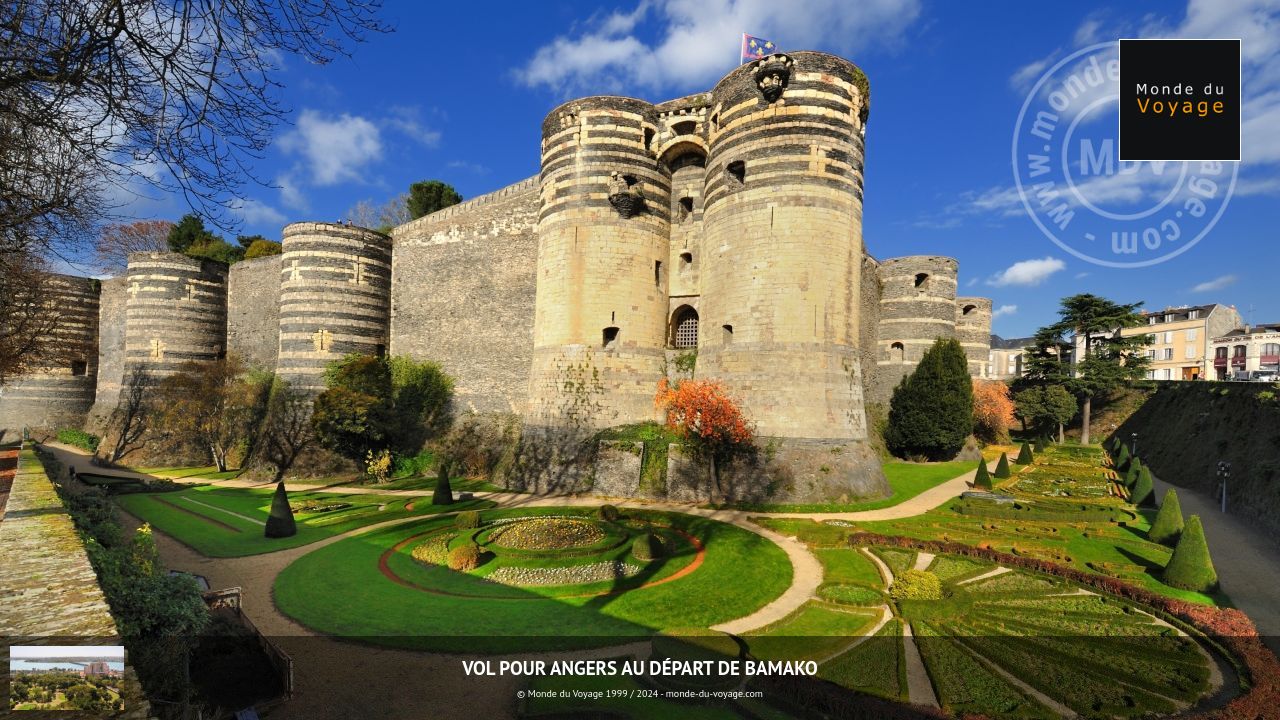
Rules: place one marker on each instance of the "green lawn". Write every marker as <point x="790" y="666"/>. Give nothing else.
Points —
<point x="818" y="629"/>
<point x="907" y="480"/>
<point x="229" y="522"/>
<point x="340" y="590"/>
<point x="208" y="472"/>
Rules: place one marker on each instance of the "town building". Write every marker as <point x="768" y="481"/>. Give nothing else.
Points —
<point x="1179" y="339"/>
<point x="1246" y="350"/>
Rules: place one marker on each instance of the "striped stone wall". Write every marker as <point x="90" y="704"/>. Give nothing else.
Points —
<point x="973" y="330"/>
<point x="335" y="298"/>
<point x="175" y="311"/>
<point x="917" y="306"/>
<point x="59" y="392"/>
<point x="253" y="311"/>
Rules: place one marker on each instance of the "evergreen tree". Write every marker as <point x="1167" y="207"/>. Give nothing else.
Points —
<point x="1190" y="566"/>
<point x="428" y="196"/>
<point x="1002" y="467"/>
<point x="444" y="492"/>
<point x="1143" y="489"/>
<point x="1024" y="454"/>
<point x="1168" y="523"/>
<point x="931" y="412"/>
<point x="982" y="480"/>
<point x="280" y="522"/>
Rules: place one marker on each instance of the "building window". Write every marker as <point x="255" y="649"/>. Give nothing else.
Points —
<point x="1168" y="354"/>
<point x="968" y="309"/>
<point x="1168" y="318"/>
<point x="380" y="350"/>
<point x="1151" y="354"/>
<point x="1191" y="351"/>
<point x="1168" y="337"/>
<point x="684" y="128"/>
<point x="1193" y="315"/>
<point x="921" y="279"/>
<point x="657" y="273"/>
<point x="1192" y="334"/>
<point x="897" y="352"/>
<point x="726" y="334"/>
<point x="686" y="208"/>
<point x="686" y="259"/>
<point x="1151" y="320"/>
<point x="1271" y="349"/>
<point x="79" y="367"/>
<point x="684" y="327"/>
<point x="1220" y="353"/>
<point x="610" y="337"/>
<point x="648" y="138"/>
<point x="735" y="174"/>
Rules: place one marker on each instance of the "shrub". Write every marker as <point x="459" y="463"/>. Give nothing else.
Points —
<point x="404" y="466"/>
<point x="378" y="465"/>
<point x="1002" y="467"/>
<point x="982" y="480"/>
<point x="280" y="522"/>
<point x="1042" y="443"/>
<point x="1024" y="454"/>
<point x="1190" y="566"/>
<point x="992" y="410"/>
<point x="434" y="550"/>
<point x="608" y="513"/>
<point x="1122" y="458"/>
<point x="79" y="438"/>
<point x="931" y="412"/>
<point x="916" y="585"/>
<point x="1168" y="523"/>
<point x="262" y="248"/>
<point x="647" y="547"/>
<point x="467" y="520"/>
<point x="1143" y="489"/>
<point x="444" y="491"/>
<point x="1131" y="476"/>
<point x="465" y="557"/>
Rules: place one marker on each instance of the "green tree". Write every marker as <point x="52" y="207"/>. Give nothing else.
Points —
<point x="189" y="231"/>
<point x="287" y="428"/>
<point x="1143" y="489"/>
<point x="1108" y="360"/>
<point x="428" y="196"/>
<point x="982" y="480"/>
<point x="443" y="494"/>
<point x="1002" y="467"/>
<point x="1024" y="454"/>
<point x="262" y="248"/>
<point x="931" y="412"/>
<point x="1190" y="566"/>
<point x="421" y="394"/>
<point x="1167" y="526"/>
<point x="211" y="404"/>
<point x="280" y="522"/>
<point x="247" y="241"/>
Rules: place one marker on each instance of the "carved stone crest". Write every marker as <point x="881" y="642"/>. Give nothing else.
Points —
<point x="625" y="195"/>
<point x="772" y="75"/>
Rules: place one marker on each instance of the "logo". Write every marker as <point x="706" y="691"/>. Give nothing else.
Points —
<point x="1082" y="196"/>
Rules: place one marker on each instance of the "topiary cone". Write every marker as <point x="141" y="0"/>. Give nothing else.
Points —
<point x="1131" y="475"/>
<point x="1002" y="467"/>
<point x="1168" y="523"/>
<point x="1024" y="454"/>
<point x="280" y="521"/>
<point x="1143" y="489"/>
<point x="982" y="481"/>
<point x="444" y="492"/>
<point x="1190" y="566"/>
<point x="1122" y="459"/>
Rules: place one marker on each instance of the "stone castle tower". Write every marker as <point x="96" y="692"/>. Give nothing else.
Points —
<point x="727" y="223"/>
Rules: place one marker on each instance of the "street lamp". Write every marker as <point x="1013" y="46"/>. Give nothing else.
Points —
<point x="1224" y="474"/>
<point x="1133" y="450"/>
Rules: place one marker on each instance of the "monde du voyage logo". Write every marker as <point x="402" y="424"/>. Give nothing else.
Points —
<point x="1148" y="187"/>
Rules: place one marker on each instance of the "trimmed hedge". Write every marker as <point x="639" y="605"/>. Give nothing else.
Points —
<point x="1190" y="566"/>
<point x="465" y="557"/>
<point x="982" y="480"/>
<point x="280" y="522"/>
<point x="1229" y="627"/>
<point x="1002" y="467"/>
<point x="1143" y="489"/>
<point x="467" y="520"/>
<point x="1167" y="526"/>
<point x="79" y="438"/>
<point x="608" y="513"/>
<point x="1024" y="455"/>
<point x="443" y="494"/>
<point x="647" y="547"/>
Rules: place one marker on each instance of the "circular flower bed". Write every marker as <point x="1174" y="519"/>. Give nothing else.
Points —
<point x="568" y="575"/>
<point x="547" y="534"/>
<point x="316" y="506"/>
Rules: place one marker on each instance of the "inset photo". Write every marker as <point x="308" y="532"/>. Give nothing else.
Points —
<point x="66" y="677"/>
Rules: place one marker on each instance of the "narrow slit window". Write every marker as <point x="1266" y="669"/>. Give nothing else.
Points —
<point x="648" y="138"/>
<point x="657" y="273"/>
<point x="686" y="208"/>
<point x="686" y="260"/>
<point x="921" y="279"/>
<point x="79" y="367"/>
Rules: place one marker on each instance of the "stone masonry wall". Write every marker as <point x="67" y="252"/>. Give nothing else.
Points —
<point x="253" y="311"/>
<point x="463" y="288"/>
<point x="111" y="332"/>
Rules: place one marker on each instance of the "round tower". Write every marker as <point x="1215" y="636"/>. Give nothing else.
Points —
<point x="917" y="306"/>
<point x="60" y="390"/>
<point x="603" y="252"/>
<point x="782" y="229"/>
<point x="335" y="298"/>
<point x="175" y="311"/>
<point x="973" y="330"/>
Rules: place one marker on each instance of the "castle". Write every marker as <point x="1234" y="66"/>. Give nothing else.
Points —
<point x="727" y="223"/>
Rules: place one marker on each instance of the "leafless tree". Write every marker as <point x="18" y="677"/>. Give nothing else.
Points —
<point x="131" y="417"/>
<point x="288" y="430"/>
<point x="30" y="319"/>
<point x="115" y="242"/>
<point x="173" y="95"/>
<point x="387" y="215"/>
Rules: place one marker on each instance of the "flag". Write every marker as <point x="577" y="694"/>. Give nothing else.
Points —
<point x="754" y="48"/>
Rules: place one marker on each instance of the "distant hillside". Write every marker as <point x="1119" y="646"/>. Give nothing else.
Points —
<point x="1184" y="429"/>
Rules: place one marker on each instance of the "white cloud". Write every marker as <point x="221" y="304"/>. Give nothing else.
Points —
<point x="469" y="167"/>
<point x="256" y="212"/>
<point x="698" y="40"/>
<point x="1004" y="310"/>
<point x="1217" y="283"/>
<point x="408" y="120"/>
<point x="335" y="149"/>
<point x="1027" y="272"/>
<point x="291" y="192"/>
<point x="1081" y="275"/>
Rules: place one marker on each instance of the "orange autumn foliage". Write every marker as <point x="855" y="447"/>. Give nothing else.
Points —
<point x="992" y="410"/>
<point x="703" y="412"/>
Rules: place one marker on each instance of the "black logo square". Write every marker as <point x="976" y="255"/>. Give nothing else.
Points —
<point x="1180" y="100"/>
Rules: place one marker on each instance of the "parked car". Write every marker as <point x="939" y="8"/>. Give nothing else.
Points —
<point x="1268" y="376"/>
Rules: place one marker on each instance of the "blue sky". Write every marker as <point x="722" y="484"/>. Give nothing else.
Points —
<point x="459" y="90"/>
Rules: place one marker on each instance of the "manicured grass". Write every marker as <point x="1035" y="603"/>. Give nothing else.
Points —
<point x="875" y="666"/>
<point x="229" y="522"/>
<point x="840" y="565"/>
<point x="339" y="590"/>
<point x="817" y="629"/>
<point x="907" y="480"/>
